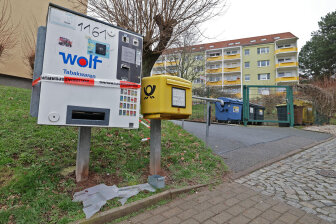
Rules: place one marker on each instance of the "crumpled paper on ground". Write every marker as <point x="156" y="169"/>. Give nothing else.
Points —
<point x="94" y="198"/>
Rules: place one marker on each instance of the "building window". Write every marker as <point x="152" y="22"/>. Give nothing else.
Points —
<point x="265" y="76"/>
<point x="231" y="77"/>
<point x="284" y="46"/>
<point x="285" y="74"/>
<point x="276" y="38"/>
<point x="252" y="41"/>
<point x="247" y="51"/>
<point x="198" y="57"/>
<point x="215" y="66"/>
<point x="247" y="64"/>
<point x="214" y="79"/>
<point x="230" y="44"/>
<point x="263" y="63"/>
<point x="264" y="91"/>
<point x="214" y="54"/>
<point x="231" y="52"/>
<point x="264" y="39"/>
<point x="247" y="77"/>
<point x="282" y="60"/>
<point x="198" y="81"/>
<point x="198" y="69"/>
<point x="263" y="50"/>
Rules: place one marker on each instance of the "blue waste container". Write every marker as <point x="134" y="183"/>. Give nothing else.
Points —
<point x="231" y="111"/>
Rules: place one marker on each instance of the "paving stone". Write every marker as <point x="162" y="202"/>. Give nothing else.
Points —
<point x="247" y="203"/>
<point x="160" y="209"/>
<point x="239" y="220"/>
<point x="261" y="220"/>
<point x="187" y="205"/>
<point x="203" y="206"/>
<point x="235" y="210"/>
<point x="188" y="213"/>
<point x="308" y="219"/>
<point x="154" y="219"/>
<point x="172" y="212"/>
<point x="281" y="208"/>
<point x="218" y="208"/>
<point x="252" y="213"/>
<point x="222" y="217"/>
<point x="271" y="215"/>
<point x="288" y="218"/>
<point x="262" y="206"/>
<point x="231" y="201"/>
<point x="172" y="220"/>
<point x="190" y="221"/>
<point x="202" y="216"/>
<point x="140" y="217"/>
<point x="209" y="221"/>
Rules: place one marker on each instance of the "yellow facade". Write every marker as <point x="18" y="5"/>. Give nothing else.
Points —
<point x="218" y="70"/>
<point x="287" y="64"/>
<point x="234" y="56"/>
<point x="26" y="16"/>
<point x="231" y="83"/>
<point x="218" y="58"/>
<point x="217" y="83"/>
<point x="287" y="79"/>
<point x="285" y="50"/>
<point x="236" y="69"/>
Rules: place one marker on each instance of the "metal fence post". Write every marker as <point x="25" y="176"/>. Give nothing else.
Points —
<point x="207" y="122"/>
<point x="155" y="147"/>
<point x="83" y="153"/>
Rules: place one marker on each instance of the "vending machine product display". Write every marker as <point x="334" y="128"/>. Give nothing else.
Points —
<point x="90" y="74"/>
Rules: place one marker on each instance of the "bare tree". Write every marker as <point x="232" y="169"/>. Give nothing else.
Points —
<point x="7" y="30"/>
<point x="190" y="64"/>
<point x="159" y="21"/>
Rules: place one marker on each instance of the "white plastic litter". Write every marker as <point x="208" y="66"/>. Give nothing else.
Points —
<point x="94" y="198"/>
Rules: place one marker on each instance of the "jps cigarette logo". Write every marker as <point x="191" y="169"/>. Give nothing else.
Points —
<point x="149" y="91"/>
<point x="81" y="61"/>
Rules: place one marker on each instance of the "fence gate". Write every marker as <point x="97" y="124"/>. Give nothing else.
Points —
<point x="272" y="104"/>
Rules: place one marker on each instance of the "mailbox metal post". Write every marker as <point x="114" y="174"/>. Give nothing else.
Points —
<point x="155" y="147"/>
<point x="83" y="154"/>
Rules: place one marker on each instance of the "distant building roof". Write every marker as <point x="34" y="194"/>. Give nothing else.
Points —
<point x="237" y="42"/>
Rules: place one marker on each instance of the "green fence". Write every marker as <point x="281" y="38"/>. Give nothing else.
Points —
<point x="273" y="104"/>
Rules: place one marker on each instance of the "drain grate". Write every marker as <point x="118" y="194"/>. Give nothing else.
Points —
<point x="327" y="173"/>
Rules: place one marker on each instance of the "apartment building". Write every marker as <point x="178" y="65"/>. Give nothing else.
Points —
<point x="262" y="60"/>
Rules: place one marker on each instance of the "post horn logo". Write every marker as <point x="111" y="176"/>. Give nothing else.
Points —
<point x="151" y="92"/>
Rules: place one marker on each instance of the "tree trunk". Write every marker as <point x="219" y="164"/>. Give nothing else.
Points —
<point x="148" y="62"/>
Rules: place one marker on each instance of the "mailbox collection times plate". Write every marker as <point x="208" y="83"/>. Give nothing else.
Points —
<point x="91" y="72"/>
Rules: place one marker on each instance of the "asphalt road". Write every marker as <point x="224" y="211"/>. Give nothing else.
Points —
<point x="243" y="147"/>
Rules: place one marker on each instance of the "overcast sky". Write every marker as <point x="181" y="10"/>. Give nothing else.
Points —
<point x="248" y="18"/>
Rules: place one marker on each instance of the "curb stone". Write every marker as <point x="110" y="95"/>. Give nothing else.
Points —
<point x="115" y="213"/>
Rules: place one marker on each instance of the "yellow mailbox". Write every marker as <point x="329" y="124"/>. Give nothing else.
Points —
<point x="165" y="97"/>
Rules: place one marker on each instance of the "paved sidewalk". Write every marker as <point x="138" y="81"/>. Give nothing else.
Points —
<point x="297" y="182"/>
<point x="230" y="203"/>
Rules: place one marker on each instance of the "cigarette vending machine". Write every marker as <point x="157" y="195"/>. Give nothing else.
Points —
<point x="87" y="72"/>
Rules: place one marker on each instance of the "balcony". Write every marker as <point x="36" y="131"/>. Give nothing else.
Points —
<point x="212" y="71"/>
<point x="232" y="56"/>
<point x="234" y="69"/>
<point x="287" y="64"/>
<point x="172" y="63"/>
<point x="287" y="79"/>
<point x="286" y="50"/>
<point x="172" y="73"/>
<point x="217" y="58"/>
<point x="232" y="83"/>
<point x="215" y="83"/>
<point x="159" y="64"/>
